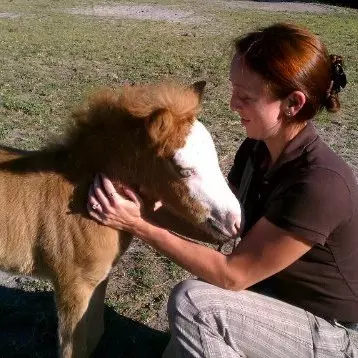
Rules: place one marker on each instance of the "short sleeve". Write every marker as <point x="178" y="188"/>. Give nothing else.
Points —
<point x="312" y="207"/>
<point x="243" y="153"/>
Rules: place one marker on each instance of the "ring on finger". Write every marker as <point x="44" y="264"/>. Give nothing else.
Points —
<point x="95" y="206"/>
<point x="111" y="195"/>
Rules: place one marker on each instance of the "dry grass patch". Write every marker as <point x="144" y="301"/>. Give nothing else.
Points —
<point x="281" y="6"/>
<point x="139" y="12"/>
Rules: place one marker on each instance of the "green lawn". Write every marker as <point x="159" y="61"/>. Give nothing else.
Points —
<point x="51" y="60"/>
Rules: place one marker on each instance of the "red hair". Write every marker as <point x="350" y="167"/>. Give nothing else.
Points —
<point x="290" y="58"/>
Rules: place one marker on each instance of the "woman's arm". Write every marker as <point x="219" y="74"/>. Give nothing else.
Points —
<point x="265" y="251"/>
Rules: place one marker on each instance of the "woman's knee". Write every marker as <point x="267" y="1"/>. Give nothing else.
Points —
<point x="182" y="298"/>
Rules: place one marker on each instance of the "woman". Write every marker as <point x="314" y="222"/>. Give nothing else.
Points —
<point x="290" y="287"/>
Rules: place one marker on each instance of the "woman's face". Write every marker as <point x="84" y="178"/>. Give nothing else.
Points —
<point x="260" y="112"/>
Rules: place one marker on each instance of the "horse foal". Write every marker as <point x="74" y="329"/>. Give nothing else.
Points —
<point x="141" y="135"/>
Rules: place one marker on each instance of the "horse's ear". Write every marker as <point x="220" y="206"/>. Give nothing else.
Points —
<point x="160" y="127"/>
<point x="198" y="88"/>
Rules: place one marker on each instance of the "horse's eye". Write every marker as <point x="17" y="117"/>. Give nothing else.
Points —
<point x="186" y="172"/>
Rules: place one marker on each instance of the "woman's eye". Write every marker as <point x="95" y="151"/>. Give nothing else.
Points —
<point x="244" y="99"/>
<point x="241" y="97"/>
<point x="187" y="172"/>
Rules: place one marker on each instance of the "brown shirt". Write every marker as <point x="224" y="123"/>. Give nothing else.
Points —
<point x="311" y="192"/>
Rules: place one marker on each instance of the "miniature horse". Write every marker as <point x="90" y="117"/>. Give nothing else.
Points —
<point x="144" y="136"/>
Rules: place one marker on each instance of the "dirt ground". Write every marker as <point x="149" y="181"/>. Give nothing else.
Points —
<point x="140" y="319"/>
<point x="157" y="12"/>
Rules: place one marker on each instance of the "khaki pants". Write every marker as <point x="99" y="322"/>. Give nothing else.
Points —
<point x="210" y="322"/>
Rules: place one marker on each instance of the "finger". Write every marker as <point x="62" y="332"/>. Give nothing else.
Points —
<point x="94" y="213"/>
<point x="92" y="202"/>
<point x="99" y="192"/>
<point x="108" y="186"/>
<point x="96" y="207"/>
<point x="132" y="195"/>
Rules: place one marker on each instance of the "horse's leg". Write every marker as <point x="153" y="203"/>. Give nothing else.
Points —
<point x="72" y="301"/>
<point x="95" y="319"/>
<point x="95" y="311"/>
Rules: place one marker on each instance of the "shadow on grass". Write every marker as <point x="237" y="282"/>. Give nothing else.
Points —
<point x="28" y="329"/>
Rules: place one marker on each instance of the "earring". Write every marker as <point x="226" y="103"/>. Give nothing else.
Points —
<point x="288" y="113"/>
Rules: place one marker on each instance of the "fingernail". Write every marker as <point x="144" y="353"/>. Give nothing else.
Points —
<point x="97" y="180"/>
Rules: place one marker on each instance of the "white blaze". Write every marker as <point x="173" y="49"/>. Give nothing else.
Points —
<point x="208" y="185"/>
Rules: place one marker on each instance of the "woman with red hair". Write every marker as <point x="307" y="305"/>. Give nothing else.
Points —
<point x="290" y="286"/>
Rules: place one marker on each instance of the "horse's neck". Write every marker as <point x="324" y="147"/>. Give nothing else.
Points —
<point x="56" y="161"/>
<point x="36" y="161"/>
<point x="124" y="158"/>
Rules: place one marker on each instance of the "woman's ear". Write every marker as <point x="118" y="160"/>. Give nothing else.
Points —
<point x="293" y="103"/>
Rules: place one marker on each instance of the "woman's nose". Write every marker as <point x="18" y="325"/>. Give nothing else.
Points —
<point x="234" y="106"/>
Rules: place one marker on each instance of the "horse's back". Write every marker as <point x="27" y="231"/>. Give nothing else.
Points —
<point x="8" y="153"/>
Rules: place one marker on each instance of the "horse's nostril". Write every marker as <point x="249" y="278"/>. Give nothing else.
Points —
<point x="234" y="222"/>
<point x="230" y="228"/>
<point x="236" y="228"/>
<point x="237" y="225"/>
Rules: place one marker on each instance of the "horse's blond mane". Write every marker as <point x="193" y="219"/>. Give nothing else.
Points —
<point x="139" y="101"/>
<point x="143" y="100"/>
<point x="115" y="126"/>
<point x="166" y="110"/>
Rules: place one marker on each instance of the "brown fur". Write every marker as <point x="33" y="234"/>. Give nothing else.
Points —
<point x="45" y="229"/>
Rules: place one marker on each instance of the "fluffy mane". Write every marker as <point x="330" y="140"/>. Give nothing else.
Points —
<point x="143" y="100"/>
<point x="120" y="132"/>
<point x="164" y="111"/>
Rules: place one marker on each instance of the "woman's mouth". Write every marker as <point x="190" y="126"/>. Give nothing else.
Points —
<point x="244" y="121"/>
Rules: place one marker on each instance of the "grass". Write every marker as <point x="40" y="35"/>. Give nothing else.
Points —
<point x="51" y="60"/>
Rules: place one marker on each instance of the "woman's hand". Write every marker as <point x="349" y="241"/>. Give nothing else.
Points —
<point x="121" y="211"/>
